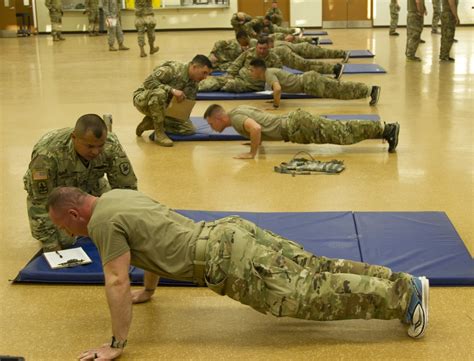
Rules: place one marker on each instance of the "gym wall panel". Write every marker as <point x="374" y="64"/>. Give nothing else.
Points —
<point x="306" y="13"/>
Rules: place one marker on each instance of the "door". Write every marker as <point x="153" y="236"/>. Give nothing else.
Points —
<point x="260" y="7"/>
<point x="8" y="25"/>
<point x="347" y="13"/>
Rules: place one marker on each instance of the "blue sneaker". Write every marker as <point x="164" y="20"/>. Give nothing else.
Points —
<point x="417" y="314"/>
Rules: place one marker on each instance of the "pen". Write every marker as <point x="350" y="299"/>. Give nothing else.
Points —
<point x="59" y="254"/>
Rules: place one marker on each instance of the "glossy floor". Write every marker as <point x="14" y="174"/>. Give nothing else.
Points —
<point x="46" y="85"/>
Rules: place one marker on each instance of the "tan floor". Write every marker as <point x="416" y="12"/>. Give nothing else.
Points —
<point x="45" y="86"/>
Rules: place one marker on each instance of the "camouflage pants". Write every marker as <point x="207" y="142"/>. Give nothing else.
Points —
<point x="323" y="87"/>
<point x="240" y="84"/>
<point x="93" y="17"/>
<point x="153" y="103"/>
<point x="394" y="10"/>
<point x="306" y="128"/>
<point x="56" y="18"/>
<point x="275" y="275"/>
<point x="310" y="51"/>
<point x="448" y="29"/>
<point x="294" y="61"/>
<point x="414" y="29"/>
<point x="436" y="14"/>
<point x="145" y="24"/>
<point x="115" y="32"/>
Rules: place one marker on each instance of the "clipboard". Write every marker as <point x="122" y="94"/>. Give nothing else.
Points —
<point x="66" y="258"/>
<point x="181" y="111"/>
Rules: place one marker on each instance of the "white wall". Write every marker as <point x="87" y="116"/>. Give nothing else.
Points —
<point x="306" y="13"/>
<point x="382" y="12"/>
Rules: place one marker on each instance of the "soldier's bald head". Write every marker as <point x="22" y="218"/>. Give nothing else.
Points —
<point x="92" y="123"/>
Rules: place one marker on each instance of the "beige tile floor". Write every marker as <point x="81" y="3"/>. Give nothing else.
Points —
<point x="45" y="86"/>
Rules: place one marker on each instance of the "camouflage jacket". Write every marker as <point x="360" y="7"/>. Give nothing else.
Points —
<point x="254" y="26"/>
<point x="143" y="8"/>
<point x="111" y="8"/>
<point x="236" y="24"/>
<point x="226" y="51"/>
<point x="243" y="61"/>
<point x="54" y="162"/>
<point x="54" y="5"/>
<point x="92" y="5"/>
<point x="169" y="75"/>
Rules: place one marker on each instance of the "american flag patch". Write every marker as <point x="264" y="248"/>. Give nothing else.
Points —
<point x="40" y="174"/>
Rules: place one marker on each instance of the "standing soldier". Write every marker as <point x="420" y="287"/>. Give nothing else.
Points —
<point x="55" y="8"/>
<point x="436" y="16"/>
<point x="275" y="14"/>
<point x="145" y="22"/>
<point x="79" y="157"/>
<point x="449" y="20"/>
<point x="92" y="11"/>
<point x="114" y="23"/>
<point x="394" y="10"/>
<point x="171" y="79"/>
<point x="416" y="13"/>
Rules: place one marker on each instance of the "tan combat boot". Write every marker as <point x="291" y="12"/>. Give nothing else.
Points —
<point x="153" y="50"/>
<point x="123" y="47"/>
<point x="161" y="138"/>
<point x="60" y="36"/>
<point x="145" y="124"/>
<point x="55" y="36"/>
<point x="142" y="52"/>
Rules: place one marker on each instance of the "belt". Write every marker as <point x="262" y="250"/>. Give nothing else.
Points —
<point x="200" y="254"/>
<point x="284" y="130"/>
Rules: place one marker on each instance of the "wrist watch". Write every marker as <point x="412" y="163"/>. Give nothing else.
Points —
<point x="118" y="344"/>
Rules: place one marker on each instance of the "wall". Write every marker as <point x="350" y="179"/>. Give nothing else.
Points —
<point x="165" y="18"/>
<point x="382" y="12"/>
<point x="306" y="13"/>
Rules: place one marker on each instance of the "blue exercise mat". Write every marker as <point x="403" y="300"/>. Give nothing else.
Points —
<point x="205" y="133"/>
<point x="350" y="69"/>
<point x="421" y="243"/>
<point x="325" y="41"/>
<point x="314" y="32"/>
<point x="248" y="96"/>
<point x="361" y="54"/>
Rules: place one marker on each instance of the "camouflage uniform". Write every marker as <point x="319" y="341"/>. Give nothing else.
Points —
<point x="313" y="83"/>
<point x="111" y="9"/>
<point x="414" y="27"/>
<point x="310" y="51"/>
<point x="292" y="60"/>
<point x="239" y="79"/>
<point x="54" y="163"/>
<point x="154" y="96"/>
<point x="274" y="275"/>
<point x="55" y="8"/>
<point x="297" y="39"/>
<point x="225" y="51"/>
<point x="145" y="22"/>
<point x="448" y="29"/>
<point x="92" y="11"/>
<point x="436" y="15"/>
<point x="236" y="25"/>
<point x="394" y="11"/>
<point x="276" y="15"/>
<point x="256" y="25"/>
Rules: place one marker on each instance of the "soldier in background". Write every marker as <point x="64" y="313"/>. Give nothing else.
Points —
<point x="436" y="16"/>
<point x="394" y="11"/>
<point x="170" y="79"/>
<point x="224" y="52"/>
<point x="311" y="83"/>
<point x="92" y="11"/>
<point x="78" y="157"/>
<point x="238" y="20"/>
<point x="55" y="8"/>
<point x="275" y="13"/>
<point x="145" y="22"/>
<point x="113" y="21"/>
<point x="297" y="127"/>
<point x="449" y="20"/>
<point x="416" y="13"/>
<point x="259" y="24"/>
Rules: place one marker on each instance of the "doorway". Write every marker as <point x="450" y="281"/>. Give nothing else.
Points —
<point x="8" y="25"/>
<point x="260" y="7"/>
<point x="347" y="13"/>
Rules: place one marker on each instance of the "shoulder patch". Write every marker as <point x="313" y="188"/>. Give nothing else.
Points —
<point x="125" y="168"/>
<point x="39" y="174"/>
<point x="42" y="187"/>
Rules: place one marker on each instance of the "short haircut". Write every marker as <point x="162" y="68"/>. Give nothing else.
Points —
<point x="258" y="63"/>
<point x="90" y="122"/>
<point x="202" y="60"/>
<point x="241" y="34"/>
<point x="262" y="40"/>
<point x="62" y="198"/>
<point x="268" y="17"/>
<point x="211" y="110"/>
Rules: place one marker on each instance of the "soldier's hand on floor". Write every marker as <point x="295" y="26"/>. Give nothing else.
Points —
<point x="141" y="296"/>
<point x="178" y="94"/>
<point x="244" y="156"/>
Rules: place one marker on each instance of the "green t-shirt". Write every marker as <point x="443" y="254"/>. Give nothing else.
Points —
<point x="290" y="83"/>
<point x="271" y="124"/>
<point x="159" y="240"/>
